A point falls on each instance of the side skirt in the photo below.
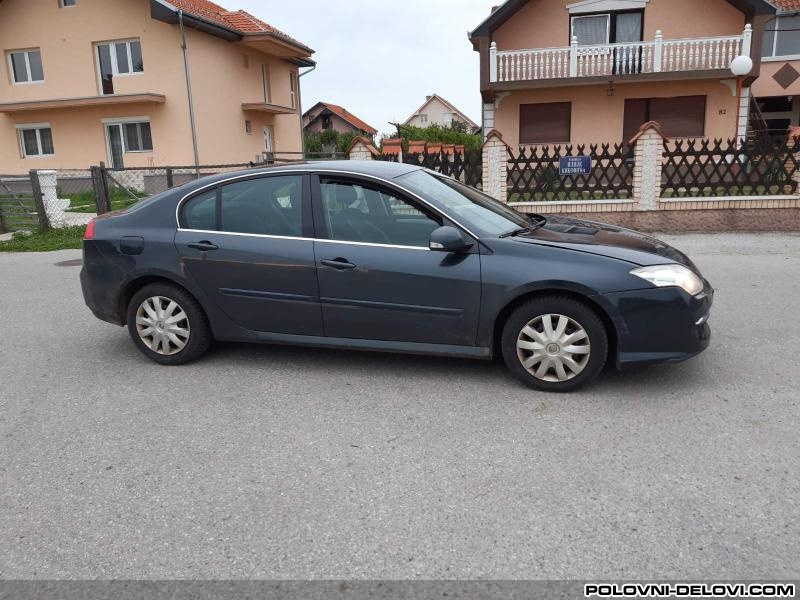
(367, 345)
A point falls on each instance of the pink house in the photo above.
(139, 83)
(580, 71)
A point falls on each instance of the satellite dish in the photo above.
(741, 65)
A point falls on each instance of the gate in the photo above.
(17, 204)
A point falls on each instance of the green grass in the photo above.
(568, 195)
(84, 202)
(710, 192)
(45, 241)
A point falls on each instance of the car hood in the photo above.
(606, 240)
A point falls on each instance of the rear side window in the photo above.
(201, 212)
(263, 206)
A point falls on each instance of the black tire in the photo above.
(199, 333)
(580, 314)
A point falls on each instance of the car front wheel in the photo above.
(167, 324)
(554, 343)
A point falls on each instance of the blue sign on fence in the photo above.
(575, 165)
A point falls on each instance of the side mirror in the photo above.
(449, 239)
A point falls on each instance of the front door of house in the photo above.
(115, 149)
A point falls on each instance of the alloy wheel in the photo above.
(553, 348)
(162, 325)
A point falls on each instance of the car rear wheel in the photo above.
(554, 343)
(167, 324)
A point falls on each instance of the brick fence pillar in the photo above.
(495, 166)
(648, 155)
(361, 149)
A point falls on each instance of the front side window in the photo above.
(67, 3)
(118, 58)
(423, 118)
(480, 213)
(611, 28)
(782, 37)
(262, 206)
(356, 212)
(36, 140)
(26, 66)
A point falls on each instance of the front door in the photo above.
(377, 278)
(248, 244)
(115, 147)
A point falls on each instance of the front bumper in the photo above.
(660, 324)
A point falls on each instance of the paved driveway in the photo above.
(270, 462)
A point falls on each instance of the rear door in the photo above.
(248, 244)
(378, 279)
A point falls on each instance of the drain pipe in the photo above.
(189, 93)
(300, 108)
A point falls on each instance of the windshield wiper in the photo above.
(537, 222)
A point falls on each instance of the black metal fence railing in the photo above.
(534, 173)
(716, 168)
(466, 167)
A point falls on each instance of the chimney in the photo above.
(428, 98)
(494, 8)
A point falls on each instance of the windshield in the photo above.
(481, 213)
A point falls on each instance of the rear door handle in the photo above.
(338, 263)
(205, 246)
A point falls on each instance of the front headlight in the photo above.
(670, 276)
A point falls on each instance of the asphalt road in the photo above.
(272, 462)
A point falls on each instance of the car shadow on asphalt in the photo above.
(688, 377)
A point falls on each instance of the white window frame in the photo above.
(126, 121)
(62, 4)
(36, 127)
(423, 117)
(114, 66)
(293, 89)
(248, 127)
(572, 20)
(26, 52)
(774, 57)
(265, 83)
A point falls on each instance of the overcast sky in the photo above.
(380, 58)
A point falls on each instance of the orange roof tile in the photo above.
(238, 20)
(786, 5)
(342, 113)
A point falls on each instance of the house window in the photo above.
(782, 37)
(67, 3)
(326, 121)
(118, 58)
(423, 118)
(265, 83)
(293, 89)
(680, 117)
(26, 66)
(35, 140)
(545, 123)
(611, 28)
(248, 127)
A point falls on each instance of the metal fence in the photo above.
(466, 167)
(534, 174)
(709, 168)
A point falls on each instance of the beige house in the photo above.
(140, 83)
(581, 71)
(437, 110)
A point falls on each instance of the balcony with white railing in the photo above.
(610, 60)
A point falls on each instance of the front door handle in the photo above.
(338, 263)
(204, 246)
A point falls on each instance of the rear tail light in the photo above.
(89, 234)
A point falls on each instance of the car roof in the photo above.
(375, 168)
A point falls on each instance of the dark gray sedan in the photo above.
(389, 257)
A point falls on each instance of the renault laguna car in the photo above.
(389, 257)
